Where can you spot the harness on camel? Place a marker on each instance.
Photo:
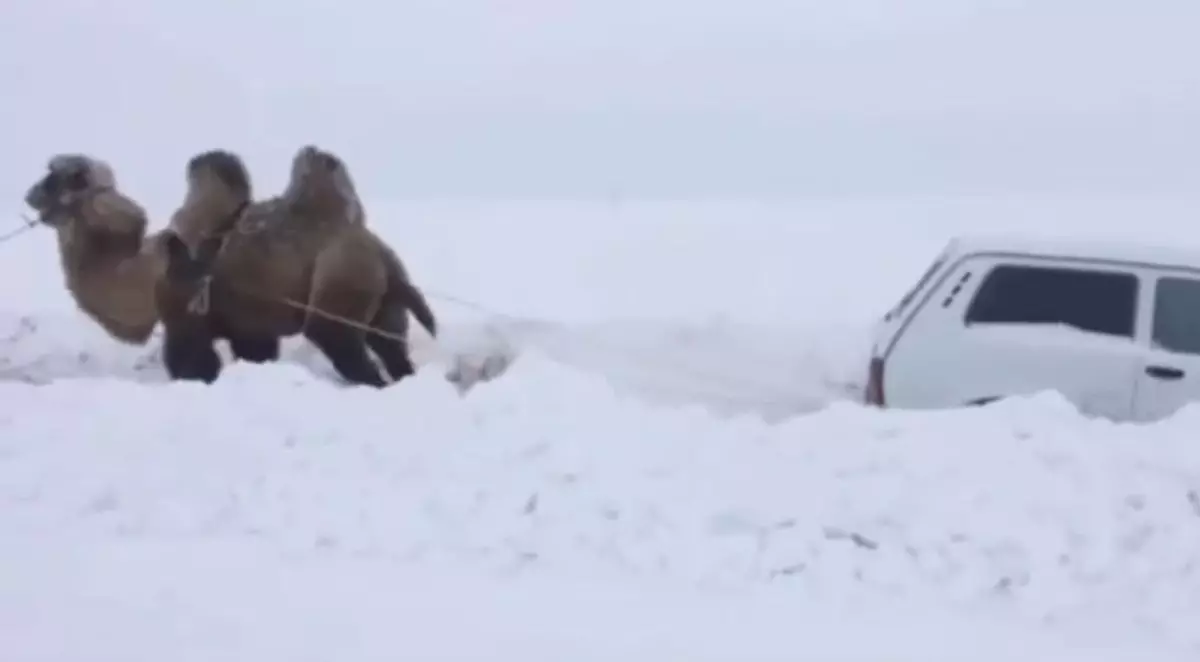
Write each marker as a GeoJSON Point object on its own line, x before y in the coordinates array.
{"type": "Point", "coordinates": [199, 266]}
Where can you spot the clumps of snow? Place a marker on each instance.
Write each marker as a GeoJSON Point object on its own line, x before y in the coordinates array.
{"type": "Point", "coordinates": [729, 368]}
{"type": "Point", "coordinates": [157, 520]}
{"type": "Point", "coordinates": [1024, 505]}
{"type": "Point", "coordinates": [46, 347]}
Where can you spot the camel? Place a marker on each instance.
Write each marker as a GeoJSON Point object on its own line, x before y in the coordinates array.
{"type": "Point", "coordinates": [304, 262]}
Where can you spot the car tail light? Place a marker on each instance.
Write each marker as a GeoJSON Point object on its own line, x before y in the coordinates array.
{"type": "Point", "coordinates": [874, 390]}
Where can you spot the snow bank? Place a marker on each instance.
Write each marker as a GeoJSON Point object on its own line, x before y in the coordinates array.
{"type": "Point", "coordinates": [642, 440]}
{"type": "Point", "coordinates": [739, 307]}
{"type": "Point", "coordinates": [235, 603]}
{"type": "Point", "coordinates": [1024, 504]}
{"type": "Point", "coordinates": [728, 368]}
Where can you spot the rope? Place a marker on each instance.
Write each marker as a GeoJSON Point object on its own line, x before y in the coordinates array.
{"type": "Point", "coordinates": [199, 305]}
{"type": "Point", "coordinates": [722, 385]}
{"type": "Point", "coordinates": [29, 224]}
{"type": "Point", "coordinates": [308, 308]}
{"type": "Point", "coordinates": [709, 383]}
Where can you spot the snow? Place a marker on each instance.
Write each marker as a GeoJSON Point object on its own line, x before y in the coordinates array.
{"type": "Point", "coordinates": [673, 465]}
{"type": "Point", "coordinates": [327, 608]}
{"type": "Point", "coordinates": [637, 436]}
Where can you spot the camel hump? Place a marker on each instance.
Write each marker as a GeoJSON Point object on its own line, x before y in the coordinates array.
{"type": "Point", "coordinates": [218, 191]}
{"type": "Point", "coordinates": [221, 168]}
{"type": "Point", "coordinates": [321, 189]}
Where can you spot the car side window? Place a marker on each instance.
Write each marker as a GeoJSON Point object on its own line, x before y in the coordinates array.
{"type": "Point", "coordinates": [1176, 326]}
{"type": "Point", "coordinates": [1088, 299]}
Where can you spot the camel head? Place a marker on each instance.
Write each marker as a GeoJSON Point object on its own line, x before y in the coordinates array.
{"type": "Point", "coordinates": [70, 181]}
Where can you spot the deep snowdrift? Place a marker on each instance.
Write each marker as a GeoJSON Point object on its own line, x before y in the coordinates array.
{"type": "Point", "coordinates": [724, 367]}
{"type": "Point", "coordinates": [643, 448]}
{"type": "Point", "coordinates": [1064, 519]}
{"type": "Point", "coordinates": [197, 601]}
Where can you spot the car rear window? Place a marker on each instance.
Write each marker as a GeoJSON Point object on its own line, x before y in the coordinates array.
{"type": "Point", "coordinates": [1099, 301]}
{"type": "Point", "coordinates": [1176, 326]}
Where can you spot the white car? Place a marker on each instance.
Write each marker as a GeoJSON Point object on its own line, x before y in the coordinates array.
{"type": "Point", "coordinates": [1112, 326]}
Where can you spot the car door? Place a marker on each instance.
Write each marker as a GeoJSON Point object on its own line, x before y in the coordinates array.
{"type": "Point", "coordinates": [1068, 326]}
{"type": "Point", "coordinates": [1013, 325]}
{"type": "Point", "coordinates": [1170, 374]}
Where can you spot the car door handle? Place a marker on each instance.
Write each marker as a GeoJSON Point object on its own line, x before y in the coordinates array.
{"type": "Point", "coordinates": [1164, 372]}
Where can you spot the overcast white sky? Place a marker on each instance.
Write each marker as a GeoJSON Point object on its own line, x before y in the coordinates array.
{"type": "Point", "coordinates": [635, 97]}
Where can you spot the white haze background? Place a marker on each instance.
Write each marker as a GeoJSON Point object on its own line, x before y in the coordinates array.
{"type": "Point", "coordinates": [703, 205]}
{"type": "Point", "coordinates": [586, 98]}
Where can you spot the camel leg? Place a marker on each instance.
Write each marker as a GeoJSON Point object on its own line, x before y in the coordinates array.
{"type": "Point", "coordinates": [254, 350]}
{"type": "Point", "coordinates": [188, 354]}
{"type": "Point", "coordinates": [392, 349]}
{"type": "Point", "coordinates": [344, 345]}
{"type": "Point", "coordinates": [344, 287]}
{"type": "Point", "coordinates": [250, 348]}
{"type": "Point", "coordinates": [346, 349]}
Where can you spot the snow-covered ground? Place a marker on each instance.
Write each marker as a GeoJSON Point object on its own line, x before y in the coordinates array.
{"type": "Point", "coordinates": [672, 466]}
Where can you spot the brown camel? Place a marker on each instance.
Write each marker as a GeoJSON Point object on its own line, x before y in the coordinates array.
{"type": "Point", "coordinates": [301, 263]}
{"type": "Point", "coordinates": [112, 269]}
{"type": "Point", "coordinates": [109, 265]}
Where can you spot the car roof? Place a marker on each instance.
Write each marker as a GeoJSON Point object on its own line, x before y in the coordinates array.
{"type": "Point", "coordinates": [1089, 248]}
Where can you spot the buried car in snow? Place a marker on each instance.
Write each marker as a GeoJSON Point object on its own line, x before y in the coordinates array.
{"type": "Point", "coordinates": [1113, 327]}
